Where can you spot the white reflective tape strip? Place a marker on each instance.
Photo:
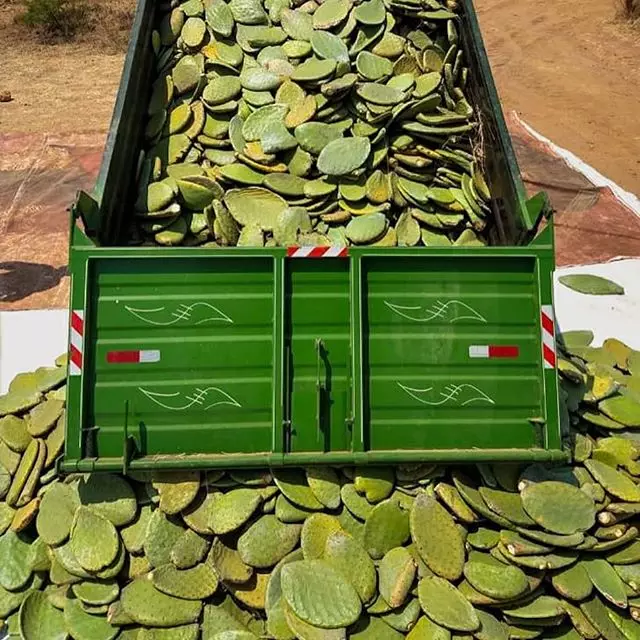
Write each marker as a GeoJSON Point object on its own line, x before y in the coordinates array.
{"type": "Point", "coordinates": [80, 314]}
{"type": "Point", "coordinates": [302, 252]}
{"type": "Point", "coordinates": [479, 351]}
{"type": "Point", "coordinates": [74, 370]}
{"type": "Point", "coordinates": [149, 356]}
{"type": "Point", "coordinates": [332, 252]}
{"type": "Point", "coordinates": [76, 340]}
{"type": "Point", "coordinates": [549, 341]}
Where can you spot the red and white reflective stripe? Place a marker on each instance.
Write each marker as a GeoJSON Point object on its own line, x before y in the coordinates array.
{"type": "Point", "coordinates": [548, 336]}
{"type": "Point", "coordinates": [317, 252]}
{"type": "Point", "coordinates": [75, 343]}
{"type": "Point", "coordinates": [133, 357]}
{"type": "Point", "coordinates": [493, 351]}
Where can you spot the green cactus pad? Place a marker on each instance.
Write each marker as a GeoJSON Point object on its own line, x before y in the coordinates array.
{"type": "Point", "coordinates": [606, 581]}
{"type": "Point", "coordinates": [437, 538]}
{"type": "Point", "coordinates": [16, 556]}
{"type": "Point", "coordinates": [253, 592]}
{"type": "Point", "coordinates": [497, 582]}
{"type": "Point", "coordinates": [110, 496]}
{"type": "Point", "coordinates": [358, 505]}
{"type": "Point", "coordinates": [40, 620]}
{"type": "Point", "coordinates": [84, 626]}
{"type": "Point", "coordinates": [517, 545]}
{"type": "Point", "coordinates": [133, 535]}
{"type": "Point", "coordinates": [508, 505]}
{"type": "Point", "coordinates": [320, 595]}
{"type": "Point", "coordinates": [18, 401]}
{"type": "Point", "coordinates": [13, 431]}
{"type": "Point", "coordinates": [177, 489]}
{"type": "Point", "coordinates": [267, 541]}
{"type": "Point", "coordinates": [190, 549]}
{"type": "Point", "coordinates": [161, 535]}
{"type": "Point", "coordinates": [541, 608]}
{"type": "Point", "coordinates": [396, 572]}
{"type": "Point", "coordinates": [376, 483]}
{"type": "Point", "coordinates": [315, 532]}
{"type": "Point", "coordinates": [403, 618]}
{"type": "Point", "coordinates": [10, 601]}
{"type": "Point", "coordinates": [302, 629]}
{"type": "Point", "coordinates": [94, 540]}
{"type": "Point", "coordinates": [293, 484]}
{"type": "Point", "coordinates": [228, 564]}
{"type": "Point", "coordinates": [446, 606]}
{"type": "Point", "coordinates": [613, 481]}
{"type": "Point", "coordinates": [196, 515]}
{"type": "Point", "coordinates": [386, 527]}
{"type": "Point", "coordinates": [372, 628]}
{"type": "Point", "coordinates": [184, 632]}
{"type": "Point", "coordinates": [426, 629]}
{"type": "Point", "coordinates": [347, 555]}
{"type": "Point", "coordinates": [148, 606]}
{"type": "Point", "coordinates": [43, 417]}
{"type": "Point", "coordinates": [96, 592]}
{"type": "Point", "coordinates": [233, 509]}
{"type": "Point", "coordinates": [558, 507]}
{"type": "Point", "coordinates": [325, 483]}
{"type": "Point", "coordinates": [56, 513]}
{"type": "Point", "coordinates": [197, 583]}
{"type": "Point", "coordinates": [26, 465]}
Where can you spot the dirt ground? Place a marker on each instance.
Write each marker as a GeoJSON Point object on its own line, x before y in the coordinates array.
{"type": "Point", "coordinates": [569, 68]}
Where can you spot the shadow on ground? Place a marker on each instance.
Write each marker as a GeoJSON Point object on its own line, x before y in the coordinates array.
{"type": "Point", "coordinates": [19, 280]}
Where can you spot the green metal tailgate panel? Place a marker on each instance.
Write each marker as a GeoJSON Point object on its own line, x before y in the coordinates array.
{"type": "Point", "coordinates": [246, 357]}
{"type": "Point", "coordinates": [212, 387]}
{"type": "Point", "coordinates": [318, 304]}
{"type": "Point", "coordinates": [425, 317]}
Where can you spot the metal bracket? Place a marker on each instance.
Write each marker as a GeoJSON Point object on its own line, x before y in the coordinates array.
{"type": "Point", "coordinates": [128, 442]}
{"type": "Point", "coordinates": [286, 413]}
{"type": "Point", "coordinates": [320, 387]}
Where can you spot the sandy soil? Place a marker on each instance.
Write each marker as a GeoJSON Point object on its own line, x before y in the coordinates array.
{"type": "Point", "coordinates": [567, 67]}
{"type": "Point", "coordinates": [573, 73]}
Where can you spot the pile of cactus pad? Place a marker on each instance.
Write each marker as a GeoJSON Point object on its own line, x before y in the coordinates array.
{"type": "Point", "coordinates": [420, 551]}
{"type": "Point", "coordinates": [302, 123]}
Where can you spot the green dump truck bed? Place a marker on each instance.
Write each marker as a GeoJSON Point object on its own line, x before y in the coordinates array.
{"type": "Point", "coordinates": [227, 357]}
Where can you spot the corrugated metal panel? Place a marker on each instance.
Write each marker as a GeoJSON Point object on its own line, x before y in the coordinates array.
{"type": "Point", "coordinates": [425, 387]}
{"type": "Point", "coordinates": [210, 388]}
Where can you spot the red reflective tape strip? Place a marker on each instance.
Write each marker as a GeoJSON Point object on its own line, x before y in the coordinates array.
{"type": "Point", "coordinates": [77, 324]}
{"type": "Point", "coordinates": [144, 356]}
{"type": "Point", "coordinates": [318, 252]}
{"type": "Point", "coordinates": [549, 355]}
{"type": "Point", "coordinates": [503, 351]}
{"type": "Point", "coordinates": [291, 251]}
{"type": "Point", "coordinates": [75, 356]}
{"type": "Point", "coordinates": [120, 357]}
{"type": "Point", "coordinates": [547, 323]}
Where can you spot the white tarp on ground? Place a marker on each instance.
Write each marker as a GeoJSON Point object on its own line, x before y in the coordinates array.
{"type": "Point", "coordinates": [630, 200]}
{"type": "Point", "coordinates": [30, 339]}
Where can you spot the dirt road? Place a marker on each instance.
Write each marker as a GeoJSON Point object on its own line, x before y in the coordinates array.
{"type": "Point", "coordinates": [567, 67]}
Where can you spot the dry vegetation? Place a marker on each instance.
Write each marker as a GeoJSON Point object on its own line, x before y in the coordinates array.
{"type": "Point", "coordinates": [102, 25]}
{"type": "Point", "coordinates": [629, 10]}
